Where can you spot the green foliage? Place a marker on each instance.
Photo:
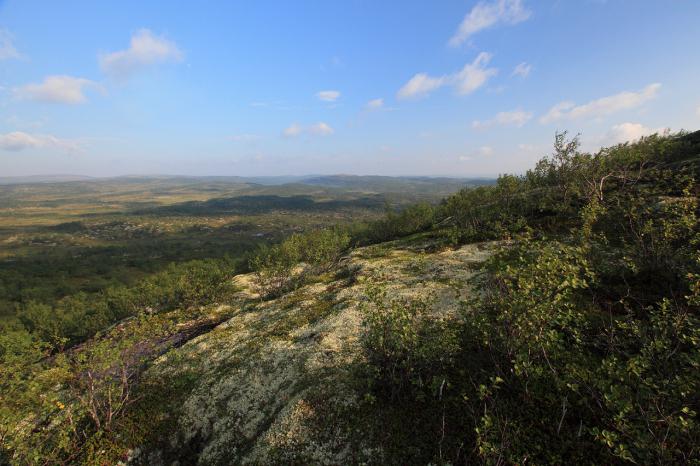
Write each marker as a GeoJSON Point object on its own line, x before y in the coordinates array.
{"type": "Point", "coordinates": [64, 408]}
{"type": "Point", "coordinates": [407, 348]}
{"type": "Point", "coordinates": [583, 345]}
{"type": "Point", "coordinates": [77, 317]}
{"type": "Point", "coordinates": [594, 339]}
{"type": "Point", "coordinates": [413, 219]}
{"type": "Point", "coordinates": [314, 252]}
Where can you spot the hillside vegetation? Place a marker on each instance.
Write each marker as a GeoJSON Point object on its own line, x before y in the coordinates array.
{"type": "Point", "coordinates": [549, 318]}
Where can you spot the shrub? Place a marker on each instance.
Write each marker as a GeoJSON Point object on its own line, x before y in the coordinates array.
{"type": "Point", "coordinates": [313, 252]}
{"type": "Point", "coordinates": [407, 349]}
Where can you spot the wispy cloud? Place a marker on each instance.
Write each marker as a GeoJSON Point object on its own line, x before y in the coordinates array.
{"type": "Point", "coordinates": [321, 129]}
{"type": "Point", "coordinates": [317, 129]}
{"type": "Point", "coordinates": [7, 46]}
{"type": "Point", "coordinates": [516, 117]}
{"type": "Point", "coordinates": [292, 130]}
{"type": "Point", "coordinates": [57, 89]}
{"type": "Point", "coordinates": [420, 85]}
{"type": "Point", "coordinates": [328, 96]}
{"type": "Point", "coordinates": [483, 151]}
{"type": "Point", "coordinates": [375, 104]}
{"type": "Point", "coordinates": [18, 141]}
{"type": "Point", "coordinates": [522, 69]}
{"type": "Point", "coordinates": [470, 78]}
{"type": "Point", "coordinates": [145, 49]}
{"type": "Point", "coordinates": [474, 75]}
{"type": "Point", "coordinates": [604, 106]}
{"type": "Point", "coordinates": [487, 14]}
{"type": "Point", "coordinates": [527, 147]}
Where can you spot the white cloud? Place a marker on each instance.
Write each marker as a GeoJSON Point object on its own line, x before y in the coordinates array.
{"type": "Point", "coordinates": [487, 14]}
{"type": "Point", "coordinates": [628, 132]}
{"type": "Point", "coordinates": [292, 130]}
{"type": "Point", "coordinates": [18, 140]}
{"type": "Point", "coordinates": [145, 50]}
{"type": "Point", "coordinates": [420, 85]}
{"type": "Point", "coordinates": [321, 129]}
{"type": "Point", "coordinates": [601, 107]}
{"type": "Point", "coordinates": [328, 96]}
{"type": "Point", "coordinates": [516, 117]}
{"type": "Point", "coordinates": [375, 104]}
{"type": "Point", "coordinates": [465, 158]}
{"type": "Point", "coordinates": [318, 129]}
{"type": "Point", "coordinates": [470, 78]}
{"type": "Point", "coordinates": [7, 46]}
{"type": "Point", "coordinates": [57, 89]}
{"type": "Point", "coordinates": [474, 75]}
{"type": "Point", "coordinates": [523, 70]}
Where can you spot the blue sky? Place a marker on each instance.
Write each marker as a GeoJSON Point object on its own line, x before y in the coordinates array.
{"type": "Point", "coordinates": [459, 88]}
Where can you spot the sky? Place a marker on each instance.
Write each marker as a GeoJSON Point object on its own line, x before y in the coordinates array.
{"type": "Point", "coordinates": [410, 87]}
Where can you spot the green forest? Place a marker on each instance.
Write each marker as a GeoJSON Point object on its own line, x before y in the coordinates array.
{"type": "Point", "coordinates": [576, 340]}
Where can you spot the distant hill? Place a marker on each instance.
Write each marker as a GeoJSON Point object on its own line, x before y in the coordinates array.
{"type": "Point", "coordinates": [395, 184]}
{"type": "Point", "coordinates": [43, 179]}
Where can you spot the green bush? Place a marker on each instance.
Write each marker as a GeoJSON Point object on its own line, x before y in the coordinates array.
{"type": "Point", "coordinates": [413, 219]}
{"type": "Point", "coordinates": [406, 347]}
{"type": "Point", "coordinates": [76, 318]}
{"type": "Point", "coordinates": [313, 252]}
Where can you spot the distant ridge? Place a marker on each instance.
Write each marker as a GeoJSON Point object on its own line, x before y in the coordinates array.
{"type": "Point", "coordinates": [43, 179]}
{"type": "Point", "coordinates": [392, 183]}
{"type": "Point", "coordinates": [364, 182]}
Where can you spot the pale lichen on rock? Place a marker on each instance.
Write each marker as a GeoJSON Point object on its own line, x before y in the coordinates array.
{"type": "Point", "coordinates": [272, 382]}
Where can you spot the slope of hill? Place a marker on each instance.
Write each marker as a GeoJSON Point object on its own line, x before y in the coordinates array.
{"type": "Point", "coordinates": [274, 383]}
{"type": "Point", "coordinates": [550, 318]}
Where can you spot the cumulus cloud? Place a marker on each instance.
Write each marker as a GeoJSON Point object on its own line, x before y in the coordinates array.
{"type": "Point", "coordinates": [7, 46]}
{"type": "Point", "coordinates": [146, 49]}
{"type": "Point", "coordinates": [628, 132]}
{"type": "Point", "coordinates": [375, 104]}
{"type": "Point", "coordinates": [318, 129]}
{"type": "Point", "coordinates": [18, 140]}
{"type": "Point", "coordinates": [516, 117]}
{"type": "Point", "coordinates": [604, 106]}
{"type": "Point", "coordinates": [522, 69]}
{"type": "Point", "coordinates": [57, 89]}
{"type": "Point", "coordinates": [470, 78]}
{"type": "Point", "coordinates": [328, 96]}
{"type": "Point", "coordinates": [487, 14]}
